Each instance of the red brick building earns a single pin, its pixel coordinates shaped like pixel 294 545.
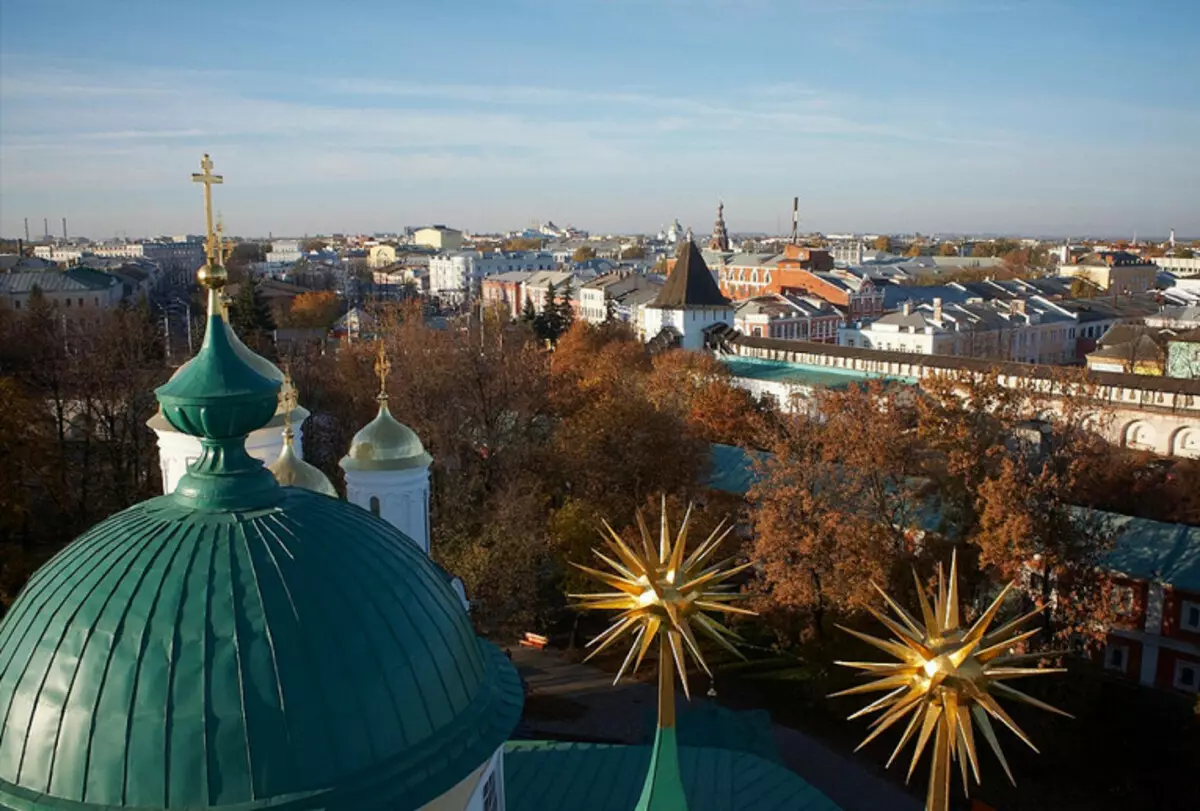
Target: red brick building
pixel 1157 593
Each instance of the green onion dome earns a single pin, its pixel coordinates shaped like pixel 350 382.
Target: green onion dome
pixel 242 644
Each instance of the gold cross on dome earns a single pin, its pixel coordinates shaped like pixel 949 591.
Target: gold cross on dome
pixel 209 180
pixel 288 400
pixel 383 368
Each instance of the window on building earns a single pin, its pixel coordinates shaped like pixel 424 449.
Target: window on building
pixel 17 304
pixel 491 794
pixel 81 302
pixel 1187 676
pixel 1116 657
pixel 374 505
pixel 1190 616
pixel 68 302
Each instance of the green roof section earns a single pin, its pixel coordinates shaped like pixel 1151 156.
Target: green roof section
pixel 556 776
pixel 801 374
pixel 221 398
pixel 663 789
pixel 302 656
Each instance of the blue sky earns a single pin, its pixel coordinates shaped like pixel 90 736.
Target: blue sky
pixel 882 115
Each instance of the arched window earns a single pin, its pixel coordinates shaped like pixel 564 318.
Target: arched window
pixel 374 505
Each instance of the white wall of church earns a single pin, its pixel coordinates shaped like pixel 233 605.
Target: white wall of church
pixel 176 451
pixel 400 497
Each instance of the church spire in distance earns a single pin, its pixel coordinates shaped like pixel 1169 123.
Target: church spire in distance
pixel 720 238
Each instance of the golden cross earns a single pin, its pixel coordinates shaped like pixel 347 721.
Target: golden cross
pixel 288 399
pixel 383 368
pixel 208 179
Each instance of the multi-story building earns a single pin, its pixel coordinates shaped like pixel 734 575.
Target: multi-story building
pixel 59 254
pixel 506 289
pixel 745 275
pixel 1027 331
pixel 1120 271
pixel 787 316
pixel 1156 595
pixel 604 295
pixel 439 237
pixel 184 255
pixel 118 250
pixel 379 256
pixel 284 251
pixel 77 292
pixel 457 277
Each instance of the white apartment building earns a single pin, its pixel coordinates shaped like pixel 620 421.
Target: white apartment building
pixel 605 294
pixel 457 277
pixel 119 250
pixel 57 254
pixel 1024 330
pixel 284 251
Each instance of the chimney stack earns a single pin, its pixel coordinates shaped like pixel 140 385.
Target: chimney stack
pixel 907 308
pixel 937 310
pixel 26 229
pixel 1018 306
pixel 64 229
pixel 46 228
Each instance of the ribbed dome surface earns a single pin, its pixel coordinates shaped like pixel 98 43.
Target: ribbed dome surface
pixel 302 656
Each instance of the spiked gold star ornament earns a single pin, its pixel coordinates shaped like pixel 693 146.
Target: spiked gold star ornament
pixel 662 592
pixel 947 676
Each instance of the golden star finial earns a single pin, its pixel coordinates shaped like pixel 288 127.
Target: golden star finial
pixel 946 678
pixel 383 367
pixel 660 593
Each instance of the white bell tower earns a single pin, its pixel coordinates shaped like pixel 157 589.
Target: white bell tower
pixel 387 469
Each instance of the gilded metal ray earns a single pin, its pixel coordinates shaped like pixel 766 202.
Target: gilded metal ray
pixel 946 677
pixel 663 593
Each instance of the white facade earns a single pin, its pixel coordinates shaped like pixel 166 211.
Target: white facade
pixel 53 253
pixel 458 276
pixel 176 451
pixel 400 497
pixel 284 251
pixel 119 250
pixel 689 323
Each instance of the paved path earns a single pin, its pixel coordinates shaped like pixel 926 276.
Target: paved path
pixel 623 713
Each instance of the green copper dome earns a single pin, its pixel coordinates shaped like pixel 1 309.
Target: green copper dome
pixel 241 645
pixel 303 656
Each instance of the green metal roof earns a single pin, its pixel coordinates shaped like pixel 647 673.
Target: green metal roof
pixel 304 656
pixel 1153 550
pixel 801 374
pixel 553 776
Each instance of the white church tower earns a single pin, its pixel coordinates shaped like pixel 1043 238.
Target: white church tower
pixel 387 469
pixel 176 450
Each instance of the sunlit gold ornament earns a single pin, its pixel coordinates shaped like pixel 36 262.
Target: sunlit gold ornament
pixel 660 593
pixel 946 676
pixel 212 275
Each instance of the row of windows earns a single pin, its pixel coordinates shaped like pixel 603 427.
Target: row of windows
pixel 96 301
pixel 1186 676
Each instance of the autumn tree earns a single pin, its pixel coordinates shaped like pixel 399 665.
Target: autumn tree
pixel 637 251
pixel 311 245
pixel 882 243
pixel 583 253
pixel 914 249
pixel 314 310
pixel 521 244
pixel 947 249
pixel 836 508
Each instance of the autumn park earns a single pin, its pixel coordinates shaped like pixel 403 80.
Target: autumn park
pixel 535 441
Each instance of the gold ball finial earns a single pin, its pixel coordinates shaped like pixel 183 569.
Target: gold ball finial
pixel 212 276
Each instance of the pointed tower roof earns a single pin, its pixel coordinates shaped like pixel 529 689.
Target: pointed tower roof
pixel 691 284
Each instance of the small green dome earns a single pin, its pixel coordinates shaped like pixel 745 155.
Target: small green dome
pixel 302 656
pixel 385 444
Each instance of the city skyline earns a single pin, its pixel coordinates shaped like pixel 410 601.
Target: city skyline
pixel 612 116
